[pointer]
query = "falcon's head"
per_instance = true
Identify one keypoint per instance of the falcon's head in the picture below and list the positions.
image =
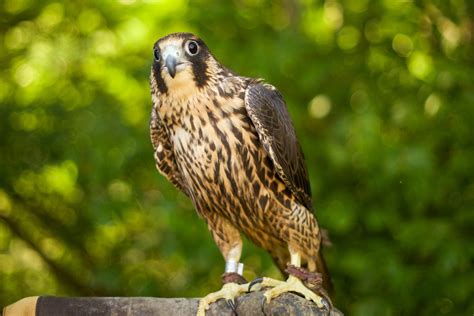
(182, 64)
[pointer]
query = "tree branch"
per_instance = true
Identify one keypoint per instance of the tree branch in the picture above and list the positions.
(64, 276)
(251, 304)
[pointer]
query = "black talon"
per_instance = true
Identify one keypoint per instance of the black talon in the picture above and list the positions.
(264, 300)
(326, 304)
(232, 306)
(257, 280)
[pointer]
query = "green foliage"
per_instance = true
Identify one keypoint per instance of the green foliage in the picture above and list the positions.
(382, 97)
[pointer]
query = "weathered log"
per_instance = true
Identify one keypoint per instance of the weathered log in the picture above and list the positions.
(251, 304)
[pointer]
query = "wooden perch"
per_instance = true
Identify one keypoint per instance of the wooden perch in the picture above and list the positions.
(248, 304)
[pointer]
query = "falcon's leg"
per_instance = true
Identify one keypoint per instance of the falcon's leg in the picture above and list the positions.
(231, 288)
(292, 284)
(228, 240)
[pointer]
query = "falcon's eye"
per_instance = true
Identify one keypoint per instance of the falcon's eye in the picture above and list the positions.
(192, 48)
(156, 52)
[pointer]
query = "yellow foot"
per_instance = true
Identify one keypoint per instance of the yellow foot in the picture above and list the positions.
(292, 284)
(228, 292)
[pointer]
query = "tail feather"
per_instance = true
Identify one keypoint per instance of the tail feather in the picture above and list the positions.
(323, 269)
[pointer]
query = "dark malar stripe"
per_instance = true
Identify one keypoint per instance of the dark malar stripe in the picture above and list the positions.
(200, 71)
(159, 81)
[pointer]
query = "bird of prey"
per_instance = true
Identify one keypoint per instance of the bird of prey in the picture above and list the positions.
(228, 143)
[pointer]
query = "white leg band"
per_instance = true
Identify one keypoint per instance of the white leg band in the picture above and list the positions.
(240, 268)
(234, 267)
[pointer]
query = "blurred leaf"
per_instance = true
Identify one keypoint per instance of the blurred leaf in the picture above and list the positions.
(382, 98)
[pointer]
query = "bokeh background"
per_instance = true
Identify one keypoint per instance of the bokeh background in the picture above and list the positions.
(382, 97)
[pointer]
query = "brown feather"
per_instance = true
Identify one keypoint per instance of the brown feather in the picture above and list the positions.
(228, 142)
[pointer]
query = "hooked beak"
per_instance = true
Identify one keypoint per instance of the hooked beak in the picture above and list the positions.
(172, 55)
(170, 63)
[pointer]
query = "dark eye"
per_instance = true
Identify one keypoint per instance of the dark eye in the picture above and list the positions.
(156, 53)
(192, 48)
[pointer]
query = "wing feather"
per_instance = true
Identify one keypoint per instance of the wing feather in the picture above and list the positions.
(268, 112)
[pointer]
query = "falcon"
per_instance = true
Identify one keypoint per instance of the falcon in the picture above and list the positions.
(228, 143)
